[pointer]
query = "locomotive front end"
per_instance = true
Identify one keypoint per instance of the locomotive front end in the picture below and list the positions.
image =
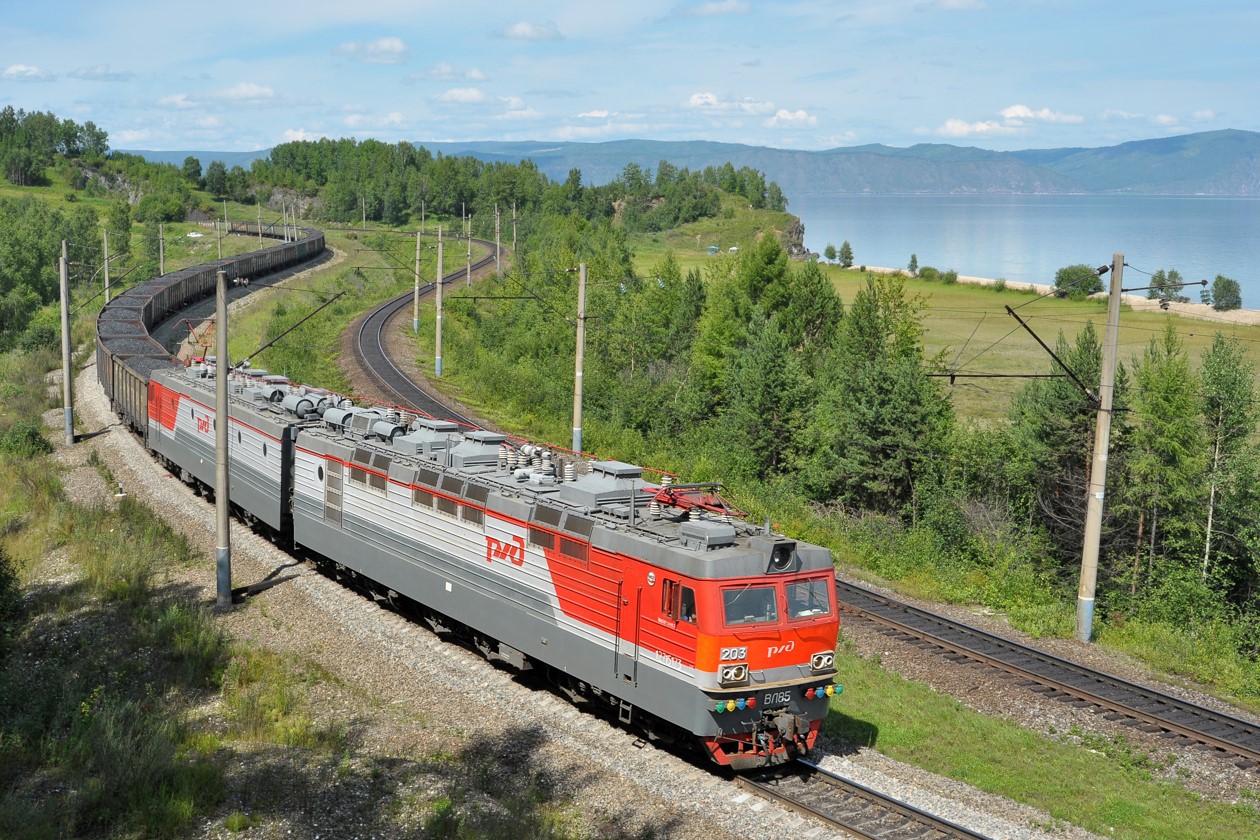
(772, 653)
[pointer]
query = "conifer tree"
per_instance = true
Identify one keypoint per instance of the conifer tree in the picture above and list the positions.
(881, 422)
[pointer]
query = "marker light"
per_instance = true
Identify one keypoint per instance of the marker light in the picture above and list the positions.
(809, 694)
(741, 703)
(720, 707)
(730, 705)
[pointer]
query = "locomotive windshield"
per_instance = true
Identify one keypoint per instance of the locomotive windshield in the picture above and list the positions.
(750, 605)
(808, 598)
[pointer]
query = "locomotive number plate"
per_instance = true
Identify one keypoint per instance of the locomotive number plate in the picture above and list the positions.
(734, 654)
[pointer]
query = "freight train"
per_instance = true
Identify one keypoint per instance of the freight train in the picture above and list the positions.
(647, 600)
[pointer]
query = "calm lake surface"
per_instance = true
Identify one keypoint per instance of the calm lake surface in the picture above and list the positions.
(1029, 238)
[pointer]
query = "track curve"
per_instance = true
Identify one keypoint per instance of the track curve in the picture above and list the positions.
(379, 366)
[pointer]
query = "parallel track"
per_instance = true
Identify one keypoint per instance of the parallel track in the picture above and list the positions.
(376, 361)
(1055, 677)
(847, 806)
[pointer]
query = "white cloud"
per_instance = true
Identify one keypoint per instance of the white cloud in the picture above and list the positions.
(246, 93)
(585, 132)
(444, 71)
(594, 115)
(1116, 114)
(209, 122)
(710, 102)
(130, 138)
(525, 31)
(466, 96)
(1016, 114)
(1165, 119)
(1015, 120)
(25, 73)
(841, 139)
(1204, 115)
(713, 8)
(388, 50)
(784, 118)
(956, 5)
(521, 114)
(178, 101)
(102, 73)
(962, 128)
(294, 135)
(393, 119)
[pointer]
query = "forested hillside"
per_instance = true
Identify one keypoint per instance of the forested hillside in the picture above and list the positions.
(818, 412)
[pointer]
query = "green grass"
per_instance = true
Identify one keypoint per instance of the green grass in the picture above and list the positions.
(1103, 785)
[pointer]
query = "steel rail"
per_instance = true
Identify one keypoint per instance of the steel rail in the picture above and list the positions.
(380, 367)
(849, 807)
(1143, 704)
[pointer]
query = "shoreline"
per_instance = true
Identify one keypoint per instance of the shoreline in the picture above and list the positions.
(1138, 303)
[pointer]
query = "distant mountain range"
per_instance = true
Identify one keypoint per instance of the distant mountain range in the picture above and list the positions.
(1225, 163)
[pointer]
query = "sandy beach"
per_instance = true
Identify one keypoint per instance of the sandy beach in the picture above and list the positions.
(1202, 311)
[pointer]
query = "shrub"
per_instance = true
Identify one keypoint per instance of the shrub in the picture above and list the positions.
(949, 277)
(24, 440)
(1076, 282)
(928, 273)
(8, 595)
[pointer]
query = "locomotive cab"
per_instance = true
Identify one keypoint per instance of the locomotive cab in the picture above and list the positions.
(765, 649)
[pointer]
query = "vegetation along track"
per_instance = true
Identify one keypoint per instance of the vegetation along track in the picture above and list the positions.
(375, 359)
(1059, 678)
(847, 806)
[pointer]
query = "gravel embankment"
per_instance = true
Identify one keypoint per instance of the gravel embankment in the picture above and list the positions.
(403, 695)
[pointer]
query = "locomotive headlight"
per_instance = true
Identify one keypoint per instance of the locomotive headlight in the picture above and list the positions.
(824, 661)
(733, 674)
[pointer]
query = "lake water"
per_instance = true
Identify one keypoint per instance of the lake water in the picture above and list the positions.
(1029, 237)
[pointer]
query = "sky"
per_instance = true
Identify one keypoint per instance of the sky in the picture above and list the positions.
(798, 74)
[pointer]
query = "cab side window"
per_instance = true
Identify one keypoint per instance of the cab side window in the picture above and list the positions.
(687, 604)
(678, 601)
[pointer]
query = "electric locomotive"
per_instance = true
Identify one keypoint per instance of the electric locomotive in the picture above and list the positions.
(648, 599)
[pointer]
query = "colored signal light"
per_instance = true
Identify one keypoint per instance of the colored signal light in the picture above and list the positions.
(809, 694)
(720, 707)
(741, 703)
(730, 705)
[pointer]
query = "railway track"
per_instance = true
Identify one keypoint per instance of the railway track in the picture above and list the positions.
(380, 367)
(848, 807)
(1152, 710)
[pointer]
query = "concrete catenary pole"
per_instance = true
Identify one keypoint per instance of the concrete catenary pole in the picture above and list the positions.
(468, 274)
(67, 375)
(497, 249)
(1098, 470)
(437, 339)
(415, 301)
(581, 352)
(223, 536)
(161, 250)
